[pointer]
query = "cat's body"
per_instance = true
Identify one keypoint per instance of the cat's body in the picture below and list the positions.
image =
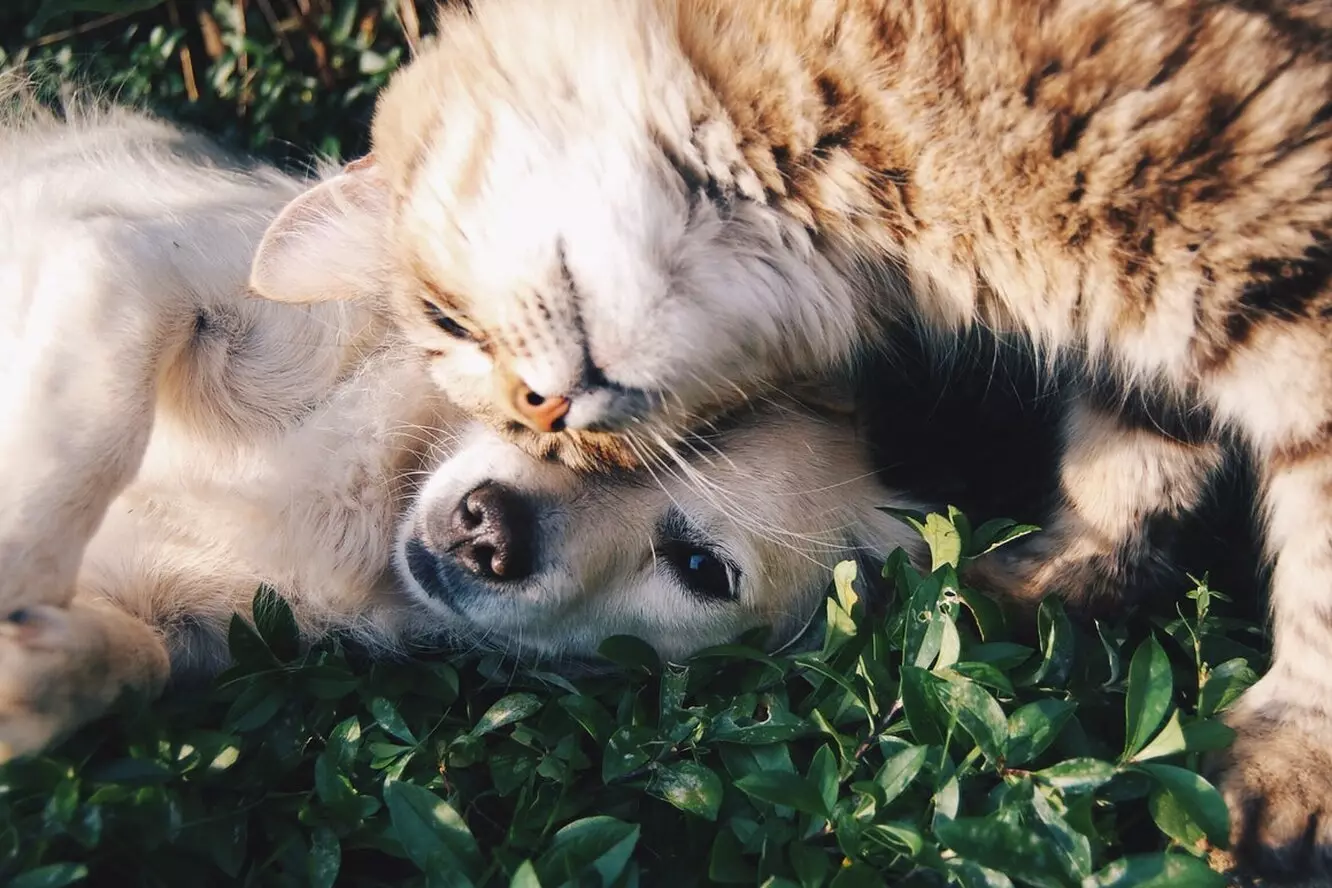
(638, 214)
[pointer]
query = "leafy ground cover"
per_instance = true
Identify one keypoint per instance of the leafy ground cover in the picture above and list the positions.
(925, 740)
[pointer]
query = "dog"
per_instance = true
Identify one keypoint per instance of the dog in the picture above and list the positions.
(171, 442)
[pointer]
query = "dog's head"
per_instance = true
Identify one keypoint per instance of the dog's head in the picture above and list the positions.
(735, 531)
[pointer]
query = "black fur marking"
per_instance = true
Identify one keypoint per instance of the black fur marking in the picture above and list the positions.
(1139, 177)
(1284, 288)
(1068, 131)
(696, 180)
(1173, 62)
(837, 138)
(1147, 409)
(1079, 187)
(1033, 84)
(781, 156)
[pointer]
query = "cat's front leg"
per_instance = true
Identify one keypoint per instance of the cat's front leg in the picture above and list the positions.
(1120, 476)
(63, 667)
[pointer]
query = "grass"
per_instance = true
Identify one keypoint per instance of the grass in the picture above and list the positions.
(926, 740)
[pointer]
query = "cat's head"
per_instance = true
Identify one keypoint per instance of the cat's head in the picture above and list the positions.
(589, 269)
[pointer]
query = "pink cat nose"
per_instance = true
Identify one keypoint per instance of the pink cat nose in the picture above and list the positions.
(540, 413)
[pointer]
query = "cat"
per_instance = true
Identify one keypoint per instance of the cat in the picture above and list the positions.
(610, 221)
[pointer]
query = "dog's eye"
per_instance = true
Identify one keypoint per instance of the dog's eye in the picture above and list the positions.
(703, 572)
(444, 322)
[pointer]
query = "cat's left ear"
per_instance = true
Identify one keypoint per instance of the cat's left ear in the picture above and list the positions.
(328, 243)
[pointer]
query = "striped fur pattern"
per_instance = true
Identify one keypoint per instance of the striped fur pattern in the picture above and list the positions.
(656, 209)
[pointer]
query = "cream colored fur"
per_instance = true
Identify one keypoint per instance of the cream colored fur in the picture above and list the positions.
(169, 443)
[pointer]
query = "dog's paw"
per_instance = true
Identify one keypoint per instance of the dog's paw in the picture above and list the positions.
(1277, 781)
(38, 646)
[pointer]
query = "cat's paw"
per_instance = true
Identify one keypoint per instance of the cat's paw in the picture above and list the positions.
(1276, 779)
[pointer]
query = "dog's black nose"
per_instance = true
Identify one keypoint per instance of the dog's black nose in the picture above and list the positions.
(489, 534)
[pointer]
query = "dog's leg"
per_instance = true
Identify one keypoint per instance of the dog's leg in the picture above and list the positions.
(87, 322)
(1119, 474)
(62, 667)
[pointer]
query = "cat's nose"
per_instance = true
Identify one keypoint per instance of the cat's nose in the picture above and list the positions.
(541, 413)
(490, 533)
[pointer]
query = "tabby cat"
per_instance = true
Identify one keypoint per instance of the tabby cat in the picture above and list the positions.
(610, 221)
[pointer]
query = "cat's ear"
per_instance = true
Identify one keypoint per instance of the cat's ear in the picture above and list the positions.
(328, 243)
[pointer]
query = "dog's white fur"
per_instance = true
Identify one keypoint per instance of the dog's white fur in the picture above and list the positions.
(169, 442)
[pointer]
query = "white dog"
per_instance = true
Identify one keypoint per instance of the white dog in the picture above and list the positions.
(169, 442)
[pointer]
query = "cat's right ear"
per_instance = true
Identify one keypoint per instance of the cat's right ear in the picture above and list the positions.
(329, 243)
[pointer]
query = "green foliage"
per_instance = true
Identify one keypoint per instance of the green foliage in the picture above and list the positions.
(928, 742)
(288, 79)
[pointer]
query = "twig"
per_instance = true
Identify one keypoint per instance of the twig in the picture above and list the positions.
(186, 59)
(99, 22)
(266, 8)
(242, 62)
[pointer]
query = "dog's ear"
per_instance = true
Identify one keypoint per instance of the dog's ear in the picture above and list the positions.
(328, 243)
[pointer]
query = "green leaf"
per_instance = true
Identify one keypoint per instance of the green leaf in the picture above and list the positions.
(925, 713)
(995, 533)
(844, 578)
(943, 540)
(1056, 635)
(1077, 775)
(1198, 798)
(388, 718)
(823, 774)
(630, 652)
(433, 834)
(979, 714)
(1171, 818)
(52, 875)
(689, 786)
(897, 838)
(506, 711)
(255, 707)
(1224, 685)
(787, 790)
(898, 771)
(247, 647)
(625, 752)
(325, 858)
(525, 876)
(1150, 687)
(1163, 870)
(276, 625)
(1207, 735)
(1011, 848)
(1033, 727)
(1168, 741)
(600, 843)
